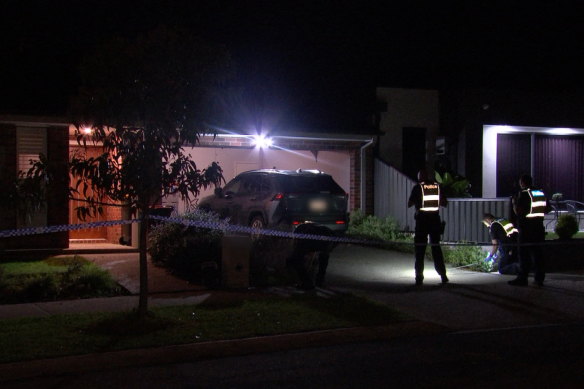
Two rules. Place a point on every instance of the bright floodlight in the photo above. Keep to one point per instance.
(87, 130)
(262, 142)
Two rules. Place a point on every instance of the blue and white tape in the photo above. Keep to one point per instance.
(193, 223)
(253, 231)
(224, 226)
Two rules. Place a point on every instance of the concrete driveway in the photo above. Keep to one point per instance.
(471, 301)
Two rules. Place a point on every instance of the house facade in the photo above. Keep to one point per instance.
(348, 158)
(410, 125)
(488, 136)
(23, 139)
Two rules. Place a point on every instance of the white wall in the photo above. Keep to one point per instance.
(234, 160)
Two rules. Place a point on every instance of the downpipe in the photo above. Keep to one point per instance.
(363, 198)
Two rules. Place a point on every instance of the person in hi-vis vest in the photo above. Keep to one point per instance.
(530, 205)
(503, 253)
(427, 198)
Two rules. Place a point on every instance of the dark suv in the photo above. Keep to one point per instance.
(281, 199)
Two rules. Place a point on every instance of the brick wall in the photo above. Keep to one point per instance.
(113, 233)
(355, 181)
(7, 176)
(369, 183)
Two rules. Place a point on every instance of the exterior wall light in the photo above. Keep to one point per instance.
(262, 142)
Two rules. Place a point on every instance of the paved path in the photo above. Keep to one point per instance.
(470, 301)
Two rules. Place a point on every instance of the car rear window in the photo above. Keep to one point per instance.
(310, 184)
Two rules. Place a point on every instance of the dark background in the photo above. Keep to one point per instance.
(323, 58)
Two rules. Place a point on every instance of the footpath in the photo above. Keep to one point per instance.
(470, 302)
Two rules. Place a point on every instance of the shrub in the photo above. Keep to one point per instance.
(453, 184)
(88, 281)
(385, 232)
(469, 256)
(566, 226)
(55, 278)
(2, 279)
(374, 227)
(184, 249)
(69, 261)
(41, 287)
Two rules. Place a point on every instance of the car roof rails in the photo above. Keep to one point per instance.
(315, 171)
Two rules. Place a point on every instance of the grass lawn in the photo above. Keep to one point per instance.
(54, 278)
(60, 335)
(553, 235)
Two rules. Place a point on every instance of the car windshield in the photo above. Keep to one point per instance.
(310, 184)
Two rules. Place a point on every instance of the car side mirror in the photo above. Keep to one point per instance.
(219, 192)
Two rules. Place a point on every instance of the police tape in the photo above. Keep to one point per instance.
(254, 231)
(226, 227)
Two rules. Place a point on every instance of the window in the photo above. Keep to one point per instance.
(30, 142)
(233, 186)
(513, 160)
(311, 184)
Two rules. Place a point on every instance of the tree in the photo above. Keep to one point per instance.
(142, 101)
(28, 192)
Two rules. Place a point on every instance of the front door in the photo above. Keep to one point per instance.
(89, 233)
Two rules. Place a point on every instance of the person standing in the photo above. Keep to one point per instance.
(427, 199)
(307, 250)
(530, 206)
(504, 238)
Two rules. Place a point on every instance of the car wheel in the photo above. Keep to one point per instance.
(257, 222)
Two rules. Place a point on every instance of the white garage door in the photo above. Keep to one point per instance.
(234, 161)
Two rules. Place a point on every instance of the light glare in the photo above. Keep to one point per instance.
(561, 131)
(262, 142)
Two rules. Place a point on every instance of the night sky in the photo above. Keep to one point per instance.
(323, 58)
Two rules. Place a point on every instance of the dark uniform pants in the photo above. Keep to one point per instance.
(507, 262)
(530, 255)
(428, 224)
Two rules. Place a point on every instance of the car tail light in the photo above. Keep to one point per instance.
(295, 223)
(340, 222)
(278, 196)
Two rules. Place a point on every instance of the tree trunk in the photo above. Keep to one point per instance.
(143, 299)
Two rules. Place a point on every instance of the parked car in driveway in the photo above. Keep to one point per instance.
(281, 199)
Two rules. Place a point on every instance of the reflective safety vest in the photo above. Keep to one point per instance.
(430, 197)
(538, 203)
(507, 226)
